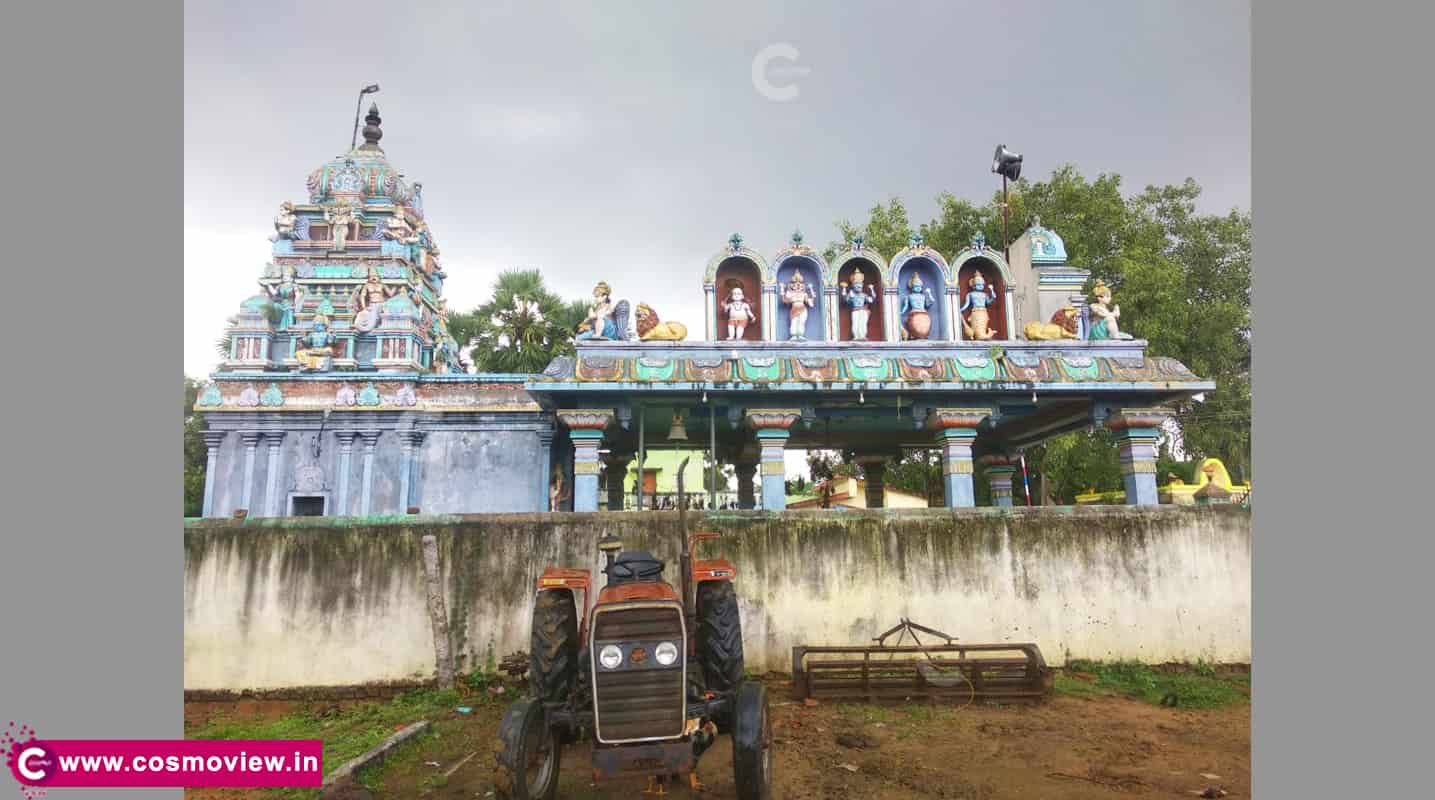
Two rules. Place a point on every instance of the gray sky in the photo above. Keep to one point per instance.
(626, 142)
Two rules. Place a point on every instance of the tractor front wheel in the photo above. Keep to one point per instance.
(719, 636)
(528, 754)
(752, 743)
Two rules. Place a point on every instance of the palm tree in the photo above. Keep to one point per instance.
(522, 328)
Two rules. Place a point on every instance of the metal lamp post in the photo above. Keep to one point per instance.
(1008, 165)
(370, 89)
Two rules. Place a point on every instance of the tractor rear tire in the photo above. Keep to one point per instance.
(528, 754)
(752, 743)
(553, 654)
(719, 636)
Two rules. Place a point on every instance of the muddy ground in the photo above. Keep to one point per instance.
(1071, 746)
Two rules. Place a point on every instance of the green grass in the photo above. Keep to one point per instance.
(1199, 686)
(346, 733)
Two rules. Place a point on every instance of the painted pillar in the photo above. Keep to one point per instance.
(956, 432)
(411, 441)
(889, 312)
(1137, 432)
(769, 313)
(212, 441)
(366, 489)
(954, 303)
(251, 441)
(746, 498)
(616, 473)
(1010, 313)
(271, 485)
(999, 468)
(585, 429)
(346, 452)
(710, 311)
(874, 471)
(773, 426)
(832, 310)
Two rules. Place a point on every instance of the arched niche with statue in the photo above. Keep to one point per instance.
(736, 266)
(872, 266)
(1000, 307)
(917, 261)
(793, 262)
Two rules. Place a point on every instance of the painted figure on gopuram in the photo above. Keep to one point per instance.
(739, 312)
(599, 324)
(319, 351)
(285, 296)
(858, 297)
(1105, 315)
(799, 299)
(976, 322)
(916, 321)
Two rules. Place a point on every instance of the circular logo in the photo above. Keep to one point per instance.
(34, 763)
(761, 69)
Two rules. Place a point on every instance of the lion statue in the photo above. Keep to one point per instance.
(651, 329)
(1063, 325)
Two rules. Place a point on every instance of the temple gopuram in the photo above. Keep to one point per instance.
(343, 393)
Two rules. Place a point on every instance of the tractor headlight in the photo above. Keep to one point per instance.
(666, 653)
(610, 657)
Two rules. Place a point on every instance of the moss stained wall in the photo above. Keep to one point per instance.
(302, 602)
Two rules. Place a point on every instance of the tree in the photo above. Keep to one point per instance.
(195, 452)
(522, 328)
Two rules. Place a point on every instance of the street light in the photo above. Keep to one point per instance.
(1008, 165)
(370, 89)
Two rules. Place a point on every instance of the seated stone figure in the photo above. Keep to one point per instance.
(319, 352)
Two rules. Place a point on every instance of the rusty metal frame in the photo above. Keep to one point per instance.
(657, 758)
(894, 672)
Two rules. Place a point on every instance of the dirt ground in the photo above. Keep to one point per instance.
(1071, 746)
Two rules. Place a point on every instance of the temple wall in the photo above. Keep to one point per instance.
(273, 604)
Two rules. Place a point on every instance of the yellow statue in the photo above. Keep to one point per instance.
(1063, 325)
(651, 329)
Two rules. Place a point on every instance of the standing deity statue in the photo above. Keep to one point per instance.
(1106, 314)
(397, 228)
(285, 296)
(916, 321)
(284, 222)
(369, 300)
(318, 350)
(858, 297)
(799, 299)
(976, 323)
(339, 217)
(739, 312)
(599, 323)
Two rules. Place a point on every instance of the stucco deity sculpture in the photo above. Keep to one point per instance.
(652, 329)
(318, 351)
(599, 324)
(369, 301)
(1105, 315)
(284, 222)
(739, 312)
(916, 320)
(1063, 325)
(858, 297)
(339, 217)
(397, 228)
(285, 296)
(976, 322)
(799, 299)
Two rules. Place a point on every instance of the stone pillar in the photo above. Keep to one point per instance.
(956, 431)
(746, 498)
(250, 439)
(366, 489)
(545, 457)
(346, 452)
(271, 483)
(1137, 432)
(874, 470)
(1000, 468)
(773, 426)
(585, 428)
(410, 441)
(212, 441)
(617, 474)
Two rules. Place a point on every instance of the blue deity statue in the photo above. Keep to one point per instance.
(976, 323)
(319, 348)
(858, 297)
(916, 320)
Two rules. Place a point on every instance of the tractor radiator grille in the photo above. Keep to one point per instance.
(645, 700)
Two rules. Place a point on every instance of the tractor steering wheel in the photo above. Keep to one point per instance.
(631, 569)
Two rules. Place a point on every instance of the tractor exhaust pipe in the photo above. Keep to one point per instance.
(689, 603)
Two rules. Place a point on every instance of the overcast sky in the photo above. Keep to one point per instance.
(626, 142)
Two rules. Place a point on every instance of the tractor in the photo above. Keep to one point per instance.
(651, 673)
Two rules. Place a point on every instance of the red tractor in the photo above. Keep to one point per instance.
(652, 674)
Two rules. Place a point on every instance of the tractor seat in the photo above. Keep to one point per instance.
(634, 566)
